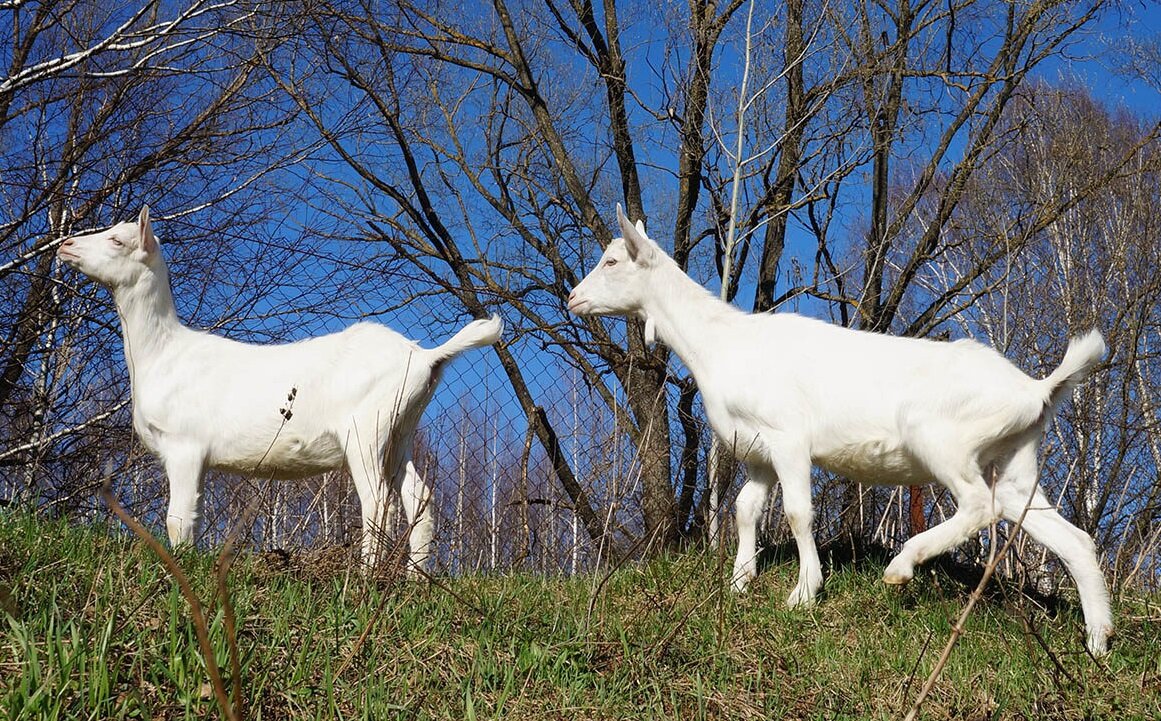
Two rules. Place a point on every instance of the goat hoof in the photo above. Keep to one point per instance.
(740, 582)
(898, 573)
(895, 577)
(799, 599)
(1098, 641)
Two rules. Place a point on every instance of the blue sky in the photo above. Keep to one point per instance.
(1091, 65)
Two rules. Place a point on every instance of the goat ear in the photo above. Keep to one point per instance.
(145, 229)
(636, 242)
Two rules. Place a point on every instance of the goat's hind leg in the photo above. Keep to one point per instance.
(975, 511)
(415, 496)
(1018, 489)
(364, 461)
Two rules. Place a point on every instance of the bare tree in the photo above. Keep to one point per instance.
(901, 172)
(104, 108)
(1086, 266)
(502, 136)
(418, 74)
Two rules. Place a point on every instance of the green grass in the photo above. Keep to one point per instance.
(94, 628)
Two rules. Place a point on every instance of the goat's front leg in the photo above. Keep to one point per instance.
(416, 498)
(793, 471)
(748, 509)
(184, 468)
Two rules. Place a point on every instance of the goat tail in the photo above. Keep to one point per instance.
(477, 334)
(1083, 353)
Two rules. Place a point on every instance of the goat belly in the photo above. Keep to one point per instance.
(289, 456)
(874, 462)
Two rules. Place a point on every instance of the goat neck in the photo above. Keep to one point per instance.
(148, 316)
(686, 317)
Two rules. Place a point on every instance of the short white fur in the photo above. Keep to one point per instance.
(202, 401)
(785, 392)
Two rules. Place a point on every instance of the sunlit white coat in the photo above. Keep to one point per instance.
(785, 392)
(202, 401)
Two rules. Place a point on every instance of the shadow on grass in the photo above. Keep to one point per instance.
(946, 577)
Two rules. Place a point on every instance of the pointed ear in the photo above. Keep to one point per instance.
(145, 230)
(636, 242)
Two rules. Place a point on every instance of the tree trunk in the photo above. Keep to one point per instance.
(790, 154)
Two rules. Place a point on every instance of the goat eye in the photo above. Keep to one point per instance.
(117, 242)
(610, 262)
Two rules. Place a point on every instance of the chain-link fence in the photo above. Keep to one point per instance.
(349, 177)
(497, 501)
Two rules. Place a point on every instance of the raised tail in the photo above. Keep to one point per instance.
(477, 334)
(1083, 353)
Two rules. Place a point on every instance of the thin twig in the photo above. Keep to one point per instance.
(32, 445)
(915, 667)
(201, 628)
(1035, 634)
(397, 553)
(656, 648)
(222, 567)
(958, 629)
(642, 541)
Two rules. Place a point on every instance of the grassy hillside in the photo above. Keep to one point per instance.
(93, 627)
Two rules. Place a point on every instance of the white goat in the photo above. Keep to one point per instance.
(785, 391)
(269, 411)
